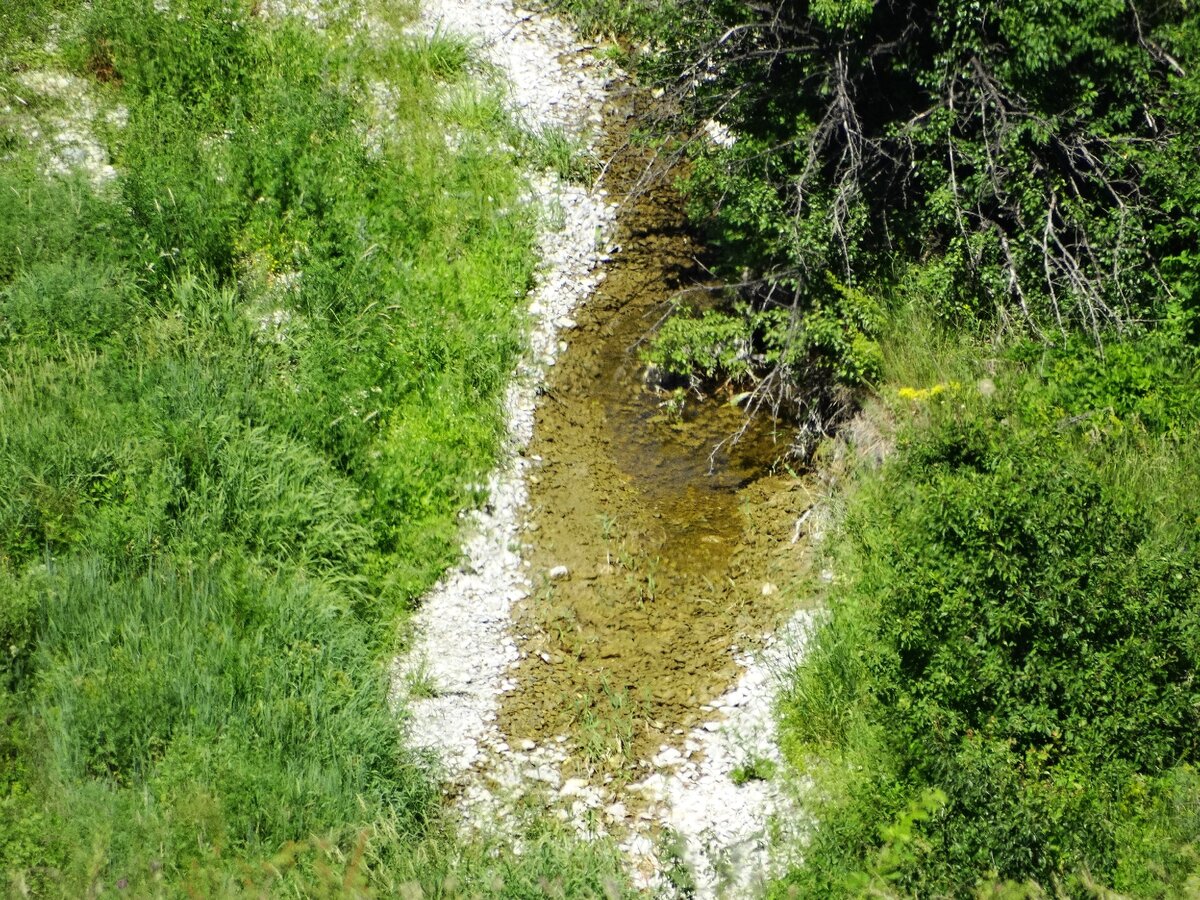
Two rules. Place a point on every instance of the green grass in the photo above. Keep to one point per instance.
(243, 391)
(567, 157)
(624, 19)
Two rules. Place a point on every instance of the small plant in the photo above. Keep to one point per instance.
(608, 526)
(756, 768)
(674, 403)
(641, 577)
(567, 157)
(420, 684)
(445, 54)
(607, 722)
(676, 871)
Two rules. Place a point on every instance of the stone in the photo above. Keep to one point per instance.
(669, 756)
(573, 787)
(616, 812)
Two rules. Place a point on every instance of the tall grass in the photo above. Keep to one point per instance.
(242, 393)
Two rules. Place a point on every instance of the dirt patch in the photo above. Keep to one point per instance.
(654, 559)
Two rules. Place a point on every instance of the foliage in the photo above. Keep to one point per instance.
(1002, 699)
(23, 25)
(768, 353)
(1030, 165)
(1025, 145)
(1017, 629)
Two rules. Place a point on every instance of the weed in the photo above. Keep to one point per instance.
(675, 869)
(567, 157)
(756, 768)
(607, 721)
(420, 684)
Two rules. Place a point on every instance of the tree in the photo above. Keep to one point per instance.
(1026, 163)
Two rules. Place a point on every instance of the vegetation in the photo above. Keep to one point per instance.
(1025, 168)
(243, 385)
(1011, 644)
(981, 217)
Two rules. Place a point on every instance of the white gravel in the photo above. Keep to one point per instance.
(728, 829)
(550, 78)
(64, 136)
(464, 650)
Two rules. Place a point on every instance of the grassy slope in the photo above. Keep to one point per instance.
(242, 389)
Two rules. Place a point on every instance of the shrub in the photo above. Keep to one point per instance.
(1017, 628)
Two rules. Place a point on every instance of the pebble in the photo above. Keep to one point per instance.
(573, 787)
(669, 756)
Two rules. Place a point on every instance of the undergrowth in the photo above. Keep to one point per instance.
(1001, 699)
(243, 388)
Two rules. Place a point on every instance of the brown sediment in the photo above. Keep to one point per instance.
(676, 556)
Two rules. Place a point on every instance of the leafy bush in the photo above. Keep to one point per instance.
(1017, 629)
(1028, 164)
(998, 136)
(829, 346)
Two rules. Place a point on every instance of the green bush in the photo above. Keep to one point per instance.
(1025, 167)
(995, 138)
(830, 346)
(1018, 628)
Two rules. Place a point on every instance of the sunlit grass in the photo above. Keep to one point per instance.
(243, 390)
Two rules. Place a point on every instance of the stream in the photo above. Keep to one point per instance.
(609, 648)
(674, 555)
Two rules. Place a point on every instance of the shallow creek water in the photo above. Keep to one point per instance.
(675, 557)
